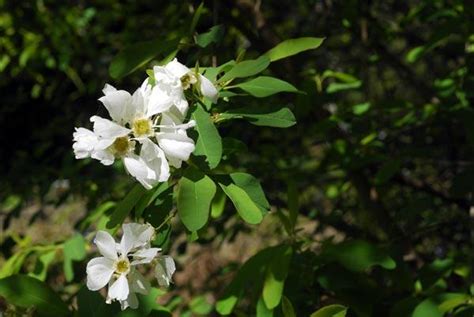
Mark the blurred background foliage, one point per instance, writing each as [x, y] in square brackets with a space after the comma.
[378, 168]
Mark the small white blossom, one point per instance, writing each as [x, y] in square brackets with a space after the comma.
[116, 266]
[175, 77]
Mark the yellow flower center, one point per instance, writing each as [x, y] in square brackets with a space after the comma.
[120, 146]
[187, 80]
[122, 266]
[142, 127]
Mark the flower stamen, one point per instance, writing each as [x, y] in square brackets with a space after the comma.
[142, 127]
[188, 79]
[121, 146]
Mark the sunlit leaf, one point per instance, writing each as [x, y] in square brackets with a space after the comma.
[293, 46]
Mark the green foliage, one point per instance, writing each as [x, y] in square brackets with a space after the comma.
[292, 47]
[331, 311]
[209, 142]
[265, 86]
[281, 118]
[74, 249]
[25, 291]
[369, 193]
[195, 194]
[358, 255]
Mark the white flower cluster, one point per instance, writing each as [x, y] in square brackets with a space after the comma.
[148, 128]
[117, 265]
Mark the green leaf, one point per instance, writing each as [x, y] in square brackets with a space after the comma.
[262, 310]
[252, 187]
[149, 197]
[358, 255]
[74, 250]
[336, 87]
[195, 193]
[196, 17]
[96, 214]
[331, 311]
[415, 53]
[214, 35]
[232, 146]
[293, 47]
[275, 276]
[281, 118]
[361, 108]
[137, 55]
[433, 272]
[264, 86]
[200, 306]
[287, 307]
[209, 142]
[42, 265]
[246, 207]
[14, 263]
[218, 203]
[125, 206]
[427, 308]
[25, 291]
[247, 68]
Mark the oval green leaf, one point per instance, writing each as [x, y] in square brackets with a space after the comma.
[247, 68]
[293, 47]
[281, 118]
[264, 86]
[331, 311]
[209, 142]
[276, 275]
[246, 207]
[195, 193]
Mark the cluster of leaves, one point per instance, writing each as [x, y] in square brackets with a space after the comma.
[380, 161]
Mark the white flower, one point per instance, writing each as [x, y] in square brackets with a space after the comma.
[175, 77]
[173, 140]
[116, 266]
[164, 270]
[84, 143]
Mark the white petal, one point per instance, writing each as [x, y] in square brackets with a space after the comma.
[108, 89]
[138, 168]
[135, 235]
[164, 270]
[105, 157]
[159, 101]
[176, 146]
[176, 68]
[99, 271]
[117, 102]
[156, 160]
[119, 289]
[208, 90]
[181, 102]
[138, 283]
[106, 245]
[84, 142]
[143, 256]
[107, 129]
